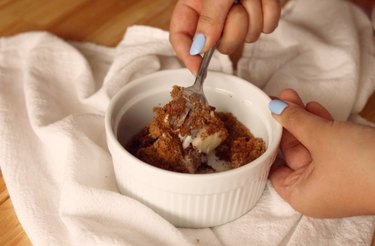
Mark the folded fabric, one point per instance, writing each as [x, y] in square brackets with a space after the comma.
[53, 154]
[325, 51]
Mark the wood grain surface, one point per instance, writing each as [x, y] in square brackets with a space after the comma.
[100, 21]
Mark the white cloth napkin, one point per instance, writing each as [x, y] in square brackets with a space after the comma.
[323, 49]
[53, 154]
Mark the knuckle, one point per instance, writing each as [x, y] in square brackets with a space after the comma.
[207, 20]
[270, 26]
[252, 36]
[291, 117]
[226, 49]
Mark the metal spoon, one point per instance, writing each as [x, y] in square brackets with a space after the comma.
[196, 90]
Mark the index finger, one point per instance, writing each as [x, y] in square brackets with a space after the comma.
[182, 29]
[212, 19]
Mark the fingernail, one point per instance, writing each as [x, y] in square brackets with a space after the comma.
[198, 44]
[277, 106]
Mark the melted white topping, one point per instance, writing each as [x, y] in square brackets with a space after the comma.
[186, 141]
[166, 118]
[202, 142]
[208, 143]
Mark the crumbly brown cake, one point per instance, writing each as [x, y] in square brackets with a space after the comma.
[241, 146]
[183, 146]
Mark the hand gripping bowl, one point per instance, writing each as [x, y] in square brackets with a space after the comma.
[191, 200]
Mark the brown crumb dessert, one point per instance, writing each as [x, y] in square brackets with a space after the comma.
[184, 146]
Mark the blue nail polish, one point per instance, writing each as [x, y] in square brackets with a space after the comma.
[277, 106]
[198, 44]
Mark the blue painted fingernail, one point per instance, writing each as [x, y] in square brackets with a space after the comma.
[198, 44]
[277, 106]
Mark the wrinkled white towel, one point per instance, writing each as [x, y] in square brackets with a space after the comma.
[53, 154]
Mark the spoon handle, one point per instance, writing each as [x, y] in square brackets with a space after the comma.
[202, 73]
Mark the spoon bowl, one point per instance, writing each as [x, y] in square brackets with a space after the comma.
[196, 90]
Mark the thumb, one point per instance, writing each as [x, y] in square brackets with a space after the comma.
[210, 25]
[306, 127]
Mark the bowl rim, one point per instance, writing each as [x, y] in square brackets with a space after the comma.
[232, 172]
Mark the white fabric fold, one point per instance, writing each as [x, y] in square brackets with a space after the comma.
[323, 49]
[53, 154]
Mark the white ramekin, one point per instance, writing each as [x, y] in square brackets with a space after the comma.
[192, 200]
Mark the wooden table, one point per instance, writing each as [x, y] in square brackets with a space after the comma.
[100, 21]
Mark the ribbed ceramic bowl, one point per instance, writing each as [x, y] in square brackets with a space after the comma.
[191, 200]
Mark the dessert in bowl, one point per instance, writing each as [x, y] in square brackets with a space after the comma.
[185, 199]
[189, 136]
